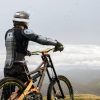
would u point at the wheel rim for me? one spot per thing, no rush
(56, 94)
(10, 91)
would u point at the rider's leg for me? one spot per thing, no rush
(18, 71)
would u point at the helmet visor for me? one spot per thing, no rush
(21, 20)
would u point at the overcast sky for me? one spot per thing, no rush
(73, 22)
(69, 21)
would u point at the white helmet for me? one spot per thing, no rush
(21, 16)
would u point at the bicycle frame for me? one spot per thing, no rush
(39, 72)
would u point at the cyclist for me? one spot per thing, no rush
(16, 42)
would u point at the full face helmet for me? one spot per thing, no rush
(21, 17)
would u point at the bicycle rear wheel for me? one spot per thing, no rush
(54, 93)
(10, 88)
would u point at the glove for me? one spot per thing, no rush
(28, 53)
(58, 47)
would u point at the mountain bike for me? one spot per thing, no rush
(59, 87)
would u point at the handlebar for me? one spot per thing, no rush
(42, 51)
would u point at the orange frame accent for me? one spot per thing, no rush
(29, 88)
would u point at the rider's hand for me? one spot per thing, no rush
(28, 53)
(58, 47)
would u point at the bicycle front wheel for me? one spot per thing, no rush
(54, 92)
(10, 88)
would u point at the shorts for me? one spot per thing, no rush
(18, 71)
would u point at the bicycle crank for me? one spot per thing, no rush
(33, 96)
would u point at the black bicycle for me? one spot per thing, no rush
(59, 88)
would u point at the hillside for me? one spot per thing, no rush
(90, 88)
(84, 81)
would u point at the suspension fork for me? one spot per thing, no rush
(52, 66)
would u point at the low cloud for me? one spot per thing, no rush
(79, 55)
(73, 55)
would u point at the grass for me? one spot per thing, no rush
(86, 97)
(83, 97)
